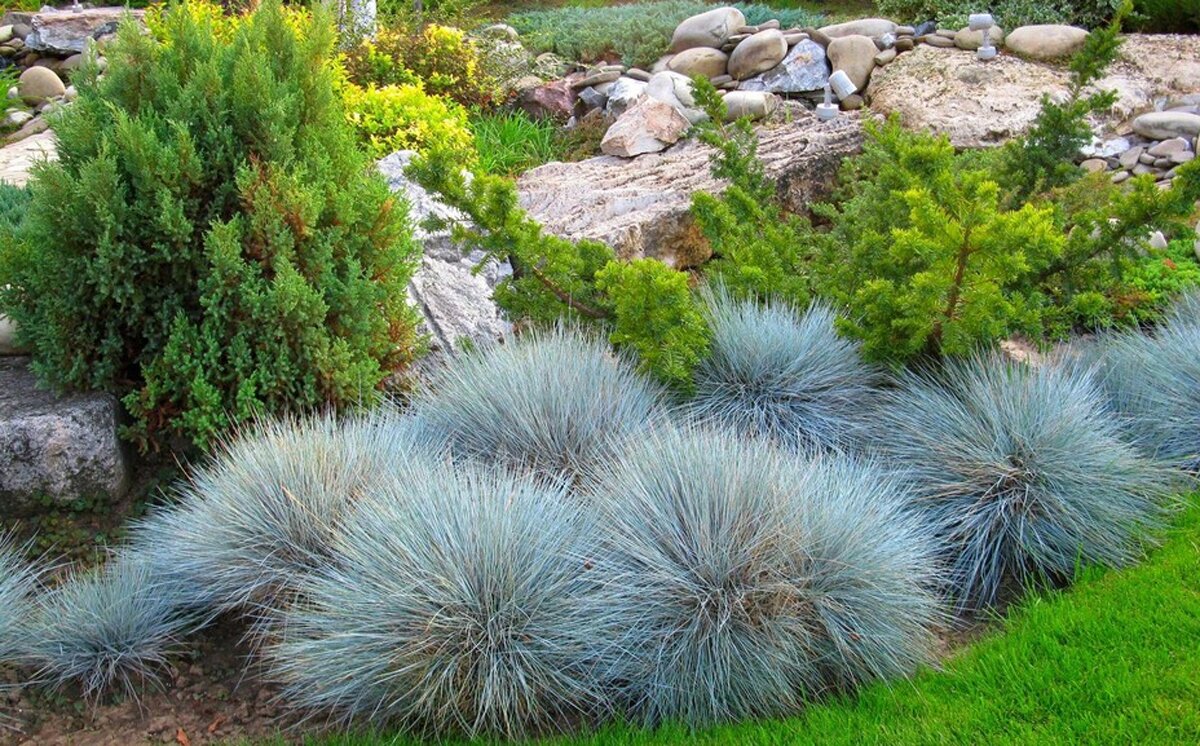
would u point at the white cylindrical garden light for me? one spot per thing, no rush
(983, 22)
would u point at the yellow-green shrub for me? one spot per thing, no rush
(405, 117)
(441, 58)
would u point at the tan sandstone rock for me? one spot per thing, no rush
(854, 55)
(699, 61)
(709, 29)
(979, 104)
(648, 126)
(1046, 41)
(641, 207)
(759, 53)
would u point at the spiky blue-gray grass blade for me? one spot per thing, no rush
(18, 582)
(553, 403)
(779, 373)
(465, 601)
(1022, 472)
(751, 581)
(267, 506)
(1153, 387)
(111, 628)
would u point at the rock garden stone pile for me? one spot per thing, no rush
(48, 47)
(1161, 141)
(754, 67)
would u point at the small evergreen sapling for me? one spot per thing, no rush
(923, 253)
(759, 250)
(1044, 157)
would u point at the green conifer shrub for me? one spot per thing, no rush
(923, 253)
(212, 244)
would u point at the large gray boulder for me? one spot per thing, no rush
(1165, 125)
(625, 92)
(806, 68)
(454, 300)
(642, 207)
(66, 32)
(56, 448)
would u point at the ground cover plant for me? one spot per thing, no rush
(211, 246)
(1009, 13)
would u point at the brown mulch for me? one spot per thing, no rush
(208, 696)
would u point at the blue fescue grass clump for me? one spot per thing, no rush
(463, 601)
(1021, 471)
(553, 404)
(267, 505)
(111, 628)
(1153, 384)
(782, 374)
(18, 582)
(751, 582)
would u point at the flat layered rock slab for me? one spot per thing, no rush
(65, 32)
(983, 104)
(18, 158)
(58, 447)
(641, 206)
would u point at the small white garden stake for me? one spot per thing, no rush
(983, 22)
(827, 110)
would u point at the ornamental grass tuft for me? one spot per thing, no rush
(467, 601)
(781, 374)
(1021, 471)
(751, 582)
(267, 506)
(18, 582)
(1153, 385)
(553, 403)
(110, 628)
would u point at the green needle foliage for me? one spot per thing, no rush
(212, 245)
(758, 249)
(1044, 157)
(644, 306)
(924, 254)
